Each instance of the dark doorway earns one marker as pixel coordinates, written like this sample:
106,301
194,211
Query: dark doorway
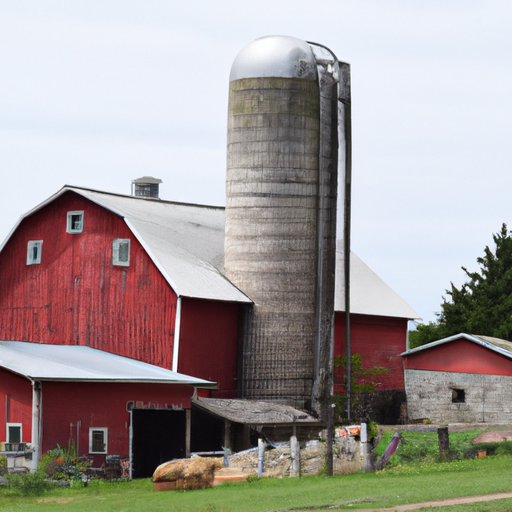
158,436
207,431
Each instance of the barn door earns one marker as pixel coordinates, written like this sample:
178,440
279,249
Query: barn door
157,436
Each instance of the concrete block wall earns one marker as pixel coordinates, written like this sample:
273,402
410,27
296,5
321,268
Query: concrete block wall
433,395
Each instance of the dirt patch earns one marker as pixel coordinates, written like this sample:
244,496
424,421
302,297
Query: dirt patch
442,503
493,437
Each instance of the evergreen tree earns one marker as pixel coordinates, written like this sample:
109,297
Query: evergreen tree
483,304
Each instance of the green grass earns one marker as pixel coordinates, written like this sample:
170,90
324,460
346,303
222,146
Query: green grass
400,484
423,446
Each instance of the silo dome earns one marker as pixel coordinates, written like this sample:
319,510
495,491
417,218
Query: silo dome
275,56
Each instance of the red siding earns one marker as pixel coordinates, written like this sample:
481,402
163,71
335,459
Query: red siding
15,404
76,295
379,341
100,405
208,343
460,356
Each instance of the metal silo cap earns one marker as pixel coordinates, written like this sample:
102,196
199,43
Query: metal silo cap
275,56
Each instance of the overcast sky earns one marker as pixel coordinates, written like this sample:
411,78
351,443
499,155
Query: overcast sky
96,93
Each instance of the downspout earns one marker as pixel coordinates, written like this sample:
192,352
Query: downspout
36,422
176,342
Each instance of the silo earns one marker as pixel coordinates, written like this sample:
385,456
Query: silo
281,215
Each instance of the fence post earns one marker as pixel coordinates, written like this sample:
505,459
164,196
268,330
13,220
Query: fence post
295,456
261,455
444,443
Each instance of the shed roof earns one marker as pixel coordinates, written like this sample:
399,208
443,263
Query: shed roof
255,412
186,243
498,345
39,361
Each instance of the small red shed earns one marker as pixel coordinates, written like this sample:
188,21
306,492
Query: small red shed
101,403
461,378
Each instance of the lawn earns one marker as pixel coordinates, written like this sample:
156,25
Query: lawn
397,485
413,475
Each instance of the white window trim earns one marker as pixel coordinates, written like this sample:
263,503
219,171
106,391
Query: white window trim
7,425
116,243
30,245
105,439
69,226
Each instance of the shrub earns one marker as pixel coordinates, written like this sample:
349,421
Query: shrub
28,484
63,464
3,464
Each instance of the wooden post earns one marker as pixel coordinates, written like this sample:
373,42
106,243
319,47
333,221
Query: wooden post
366,449
227,434
444,443
261,456
187,431
295,456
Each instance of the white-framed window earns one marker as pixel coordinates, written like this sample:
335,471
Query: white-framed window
75,222
14,432
98,440
34,252
121,252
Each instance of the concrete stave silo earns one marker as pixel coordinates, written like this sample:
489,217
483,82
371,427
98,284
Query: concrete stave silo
281,216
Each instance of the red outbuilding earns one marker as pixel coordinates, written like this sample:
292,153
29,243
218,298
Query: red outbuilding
101,403
462,378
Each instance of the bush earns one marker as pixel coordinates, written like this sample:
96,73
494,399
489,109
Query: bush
3,464
28,484
63,464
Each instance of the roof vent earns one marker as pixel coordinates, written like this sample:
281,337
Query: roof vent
147,186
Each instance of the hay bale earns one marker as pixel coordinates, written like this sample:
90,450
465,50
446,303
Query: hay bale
195,473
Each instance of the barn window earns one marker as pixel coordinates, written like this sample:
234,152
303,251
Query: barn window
13,432
458,396
34,251
121,252
75,222
98,440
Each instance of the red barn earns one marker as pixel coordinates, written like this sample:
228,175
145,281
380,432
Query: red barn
143,278
378,327
462,378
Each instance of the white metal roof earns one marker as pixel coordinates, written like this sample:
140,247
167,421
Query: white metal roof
498,345
78,363
369,294
186,243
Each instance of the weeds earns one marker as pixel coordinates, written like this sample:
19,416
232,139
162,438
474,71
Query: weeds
28,484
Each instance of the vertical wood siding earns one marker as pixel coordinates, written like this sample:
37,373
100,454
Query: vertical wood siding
100,405
209,343
15,404
380,341
76,295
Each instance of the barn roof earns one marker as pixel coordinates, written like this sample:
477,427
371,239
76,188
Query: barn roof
498,345
255,412
369,294
78,363
186,243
